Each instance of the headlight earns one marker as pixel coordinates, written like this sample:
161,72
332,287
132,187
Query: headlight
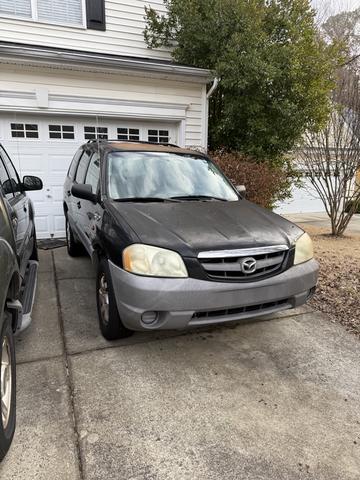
153,261
303,249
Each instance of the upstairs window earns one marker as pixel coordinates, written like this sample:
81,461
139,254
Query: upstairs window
62,12
17,8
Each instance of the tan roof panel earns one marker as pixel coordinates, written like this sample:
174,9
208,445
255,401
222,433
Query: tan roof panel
149,147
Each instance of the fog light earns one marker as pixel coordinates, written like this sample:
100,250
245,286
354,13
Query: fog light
311,293
149,317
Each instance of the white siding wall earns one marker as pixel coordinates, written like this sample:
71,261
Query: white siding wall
25,81
123,36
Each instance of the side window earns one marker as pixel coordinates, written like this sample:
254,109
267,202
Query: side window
5,183
82,167
74,162
14,179
93,173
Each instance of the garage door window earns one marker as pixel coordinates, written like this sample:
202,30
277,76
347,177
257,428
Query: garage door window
158,136
128,134
92,133
24,130
65,132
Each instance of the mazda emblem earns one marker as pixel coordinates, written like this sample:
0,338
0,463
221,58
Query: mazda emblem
248,265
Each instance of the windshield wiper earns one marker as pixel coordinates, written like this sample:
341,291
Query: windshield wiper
143,199
198,197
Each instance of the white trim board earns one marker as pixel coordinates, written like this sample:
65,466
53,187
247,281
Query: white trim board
80,105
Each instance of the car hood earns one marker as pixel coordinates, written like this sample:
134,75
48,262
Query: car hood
193,226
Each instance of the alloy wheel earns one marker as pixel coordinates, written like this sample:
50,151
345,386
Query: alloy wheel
104,299
6,381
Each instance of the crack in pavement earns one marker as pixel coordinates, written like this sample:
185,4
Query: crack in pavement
69,377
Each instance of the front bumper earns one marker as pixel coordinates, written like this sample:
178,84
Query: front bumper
185,302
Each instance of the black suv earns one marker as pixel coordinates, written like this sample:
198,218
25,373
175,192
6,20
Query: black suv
18,267
175,244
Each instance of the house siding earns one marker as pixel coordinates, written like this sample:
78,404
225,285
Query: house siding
124,33
110,88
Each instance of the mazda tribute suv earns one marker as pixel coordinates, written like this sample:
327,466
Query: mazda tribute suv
175,244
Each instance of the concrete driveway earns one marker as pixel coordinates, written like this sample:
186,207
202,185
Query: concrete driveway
264,400
323,221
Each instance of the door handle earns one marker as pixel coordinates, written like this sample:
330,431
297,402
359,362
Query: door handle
93,216
78,204
25,209
14,221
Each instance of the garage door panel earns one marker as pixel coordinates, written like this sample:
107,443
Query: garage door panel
59,223
50,158
303,200
37,196
34,164
57,193
42,226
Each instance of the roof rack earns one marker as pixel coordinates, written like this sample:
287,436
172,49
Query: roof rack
94,140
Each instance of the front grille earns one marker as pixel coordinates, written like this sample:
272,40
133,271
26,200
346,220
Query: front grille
240,311
230,266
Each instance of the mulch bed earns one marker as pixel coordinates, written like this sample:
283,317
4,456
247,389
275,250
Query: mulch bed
338,292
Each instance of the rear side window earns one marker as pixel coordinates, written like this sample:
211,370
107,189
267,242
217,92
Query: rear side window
82,167
93,173
74,162
14,179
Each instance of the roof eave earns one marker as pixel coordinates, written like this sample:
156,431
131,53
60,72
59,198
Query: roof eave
64,58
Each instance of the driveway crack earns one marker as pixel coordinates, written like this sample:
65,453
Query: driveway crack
69,376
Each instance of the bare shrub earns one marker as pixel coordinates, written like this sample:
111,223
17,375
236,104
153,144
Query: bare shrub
265,183
331,157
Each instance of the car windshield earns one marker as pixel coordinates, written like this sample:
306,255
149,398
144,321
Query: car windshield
165,176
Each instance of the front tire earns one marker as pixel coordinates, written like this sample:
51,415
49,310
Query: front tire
74,248
7,386
110,322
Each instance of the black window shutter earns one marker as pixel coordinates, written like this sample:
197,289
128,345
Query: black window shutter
95,14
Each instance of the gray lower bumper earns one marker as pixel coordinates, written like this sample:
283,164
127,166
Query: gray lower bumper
177,301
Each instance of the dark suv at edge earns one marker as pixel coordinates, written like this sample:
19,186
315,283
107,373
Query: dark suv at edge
175,244
18,267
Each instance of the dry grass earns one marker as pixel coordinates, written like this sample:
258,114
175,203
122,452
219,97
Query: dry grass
338,293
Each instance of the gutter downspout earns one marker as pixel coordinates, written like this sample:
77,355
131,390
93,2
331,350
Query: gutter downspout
213,87
206,98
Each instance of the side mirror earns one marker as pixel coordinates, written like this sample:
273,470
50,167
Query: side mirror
30,183
84,191
241,189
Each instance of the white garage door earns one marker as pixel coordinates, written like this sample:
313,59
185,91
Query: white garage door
44,145
303,200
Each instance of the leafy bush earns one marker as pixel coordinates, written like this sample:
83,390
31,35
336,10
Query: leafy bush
276,71
265,183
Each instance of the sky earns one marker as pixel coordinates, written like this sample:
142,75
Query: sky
332,7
